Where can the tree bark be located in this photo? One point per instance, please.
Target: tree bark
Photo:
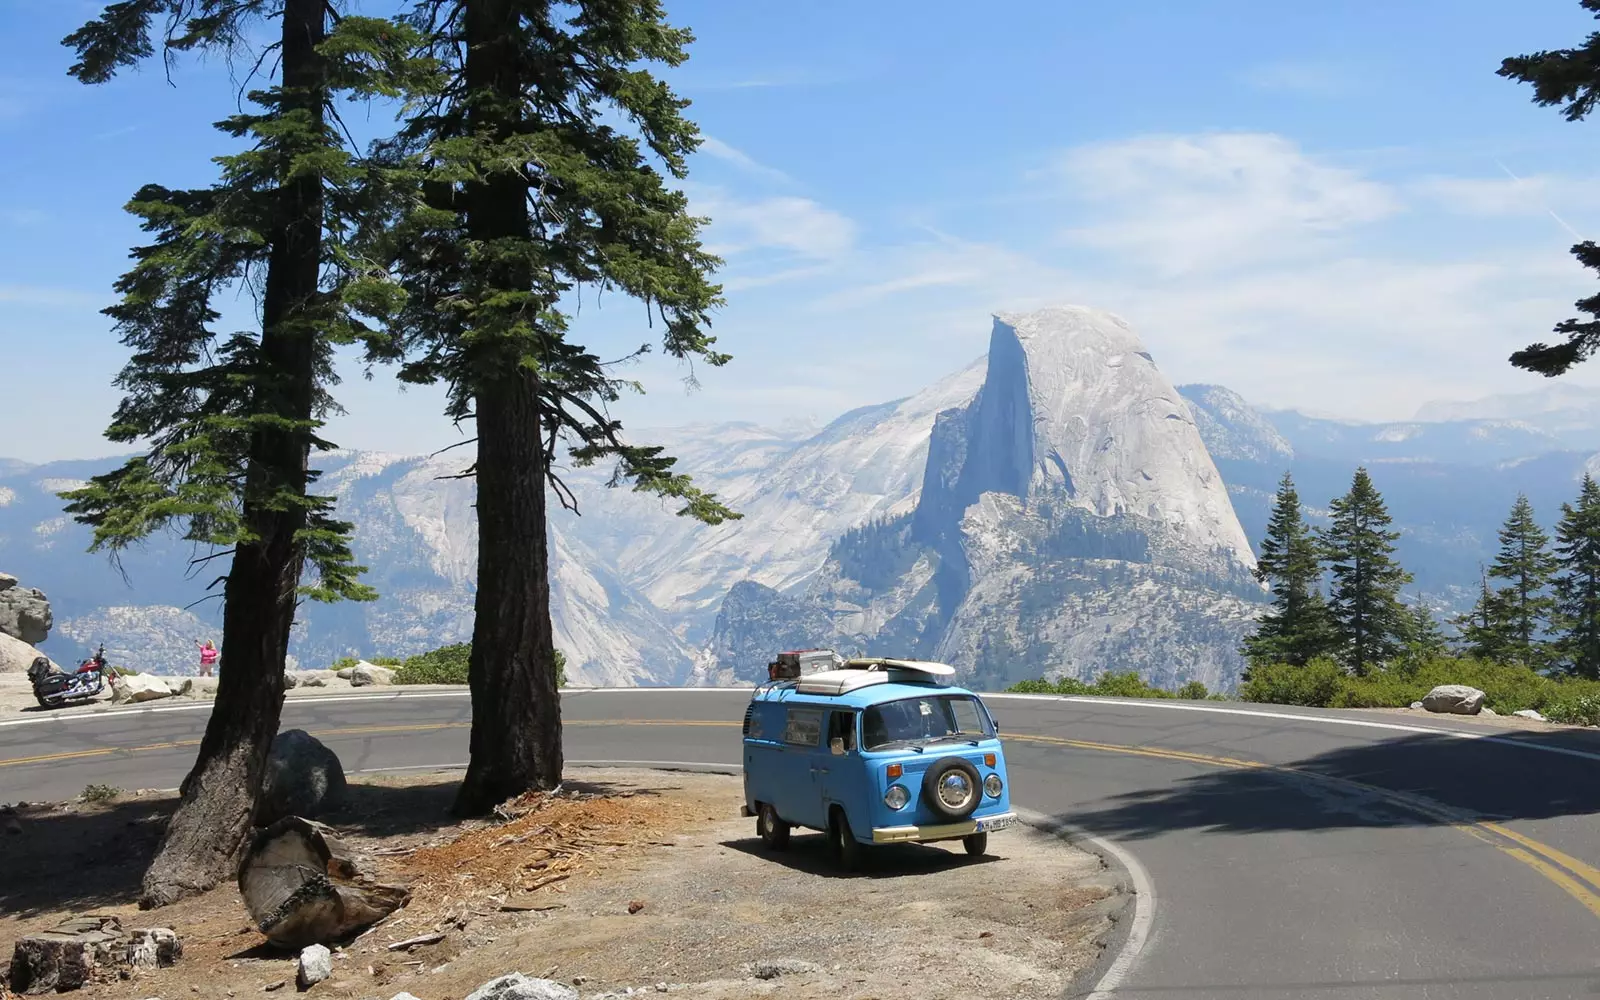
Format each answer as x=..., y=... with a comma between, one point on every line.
x=516, y=712
x=206, y=836
x=303, y=886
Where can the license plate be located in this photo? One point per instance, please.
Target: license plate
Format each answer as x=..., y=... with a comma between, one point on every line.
x=996, y=823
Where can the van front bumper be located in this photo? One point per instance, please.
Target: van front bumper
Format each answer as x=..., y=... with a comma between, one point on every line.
x=941, y=831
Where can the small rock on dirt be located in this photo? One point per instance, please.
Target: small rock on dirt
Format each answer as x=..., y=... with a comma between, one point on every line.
x=1489, y=712
x=635, y=906
x=1416, y=705
x=1528, y=713
x=316, y=964
x=1454, y=699
x=280, y=984
x=519, y=987
x=303, y=778
x=773, y=968
x=154, y=947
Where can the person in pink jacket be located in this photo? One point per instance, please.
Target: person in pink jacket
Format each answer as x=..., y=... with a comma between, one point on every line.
x=208, y=657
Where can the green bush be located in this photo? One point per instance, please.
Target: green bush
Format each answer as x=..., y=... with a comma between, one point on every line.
x=100, y=793
x=1577, y=709
x=1316, y=684
x=448, y=665
x=1124, y=685
x=346, y=662
x=1193, y=691
x=1036, y=686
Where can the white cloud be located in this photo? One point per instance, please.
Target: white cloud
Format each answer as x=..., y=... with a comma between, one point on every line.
x=1181, y=204
x=720, y=150
x=1541, y=194
x=797, y=226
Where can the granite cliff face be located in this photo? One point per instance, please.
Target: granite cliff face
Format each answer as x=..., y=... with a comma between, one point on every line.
x=1070, y=521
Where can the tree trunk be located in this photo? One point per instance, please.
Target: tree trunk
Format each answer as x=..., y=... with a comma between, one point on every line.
x=516, y=714
x=302, y=886
x=205, y=838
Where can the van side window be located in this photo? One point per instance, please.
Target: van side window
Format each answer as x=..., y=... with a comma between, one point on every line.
x=842, y=725
x=804, y=728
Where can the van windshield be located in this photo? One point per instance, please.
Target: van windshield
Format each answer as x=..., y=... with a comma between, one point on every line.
x=925, y=719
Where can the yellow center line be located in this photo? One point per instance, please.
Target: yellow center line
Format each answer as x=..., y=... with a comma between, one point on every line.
x=1541, y=857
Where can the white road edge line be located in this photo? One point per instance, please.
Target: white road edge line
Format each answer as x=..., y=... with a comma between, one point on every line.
x=1294, y=717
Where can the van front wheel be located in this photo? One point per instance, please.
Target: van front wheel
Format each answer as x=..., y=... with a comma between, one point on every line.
x=773, y=831
x=847, y=851
x=976, y=843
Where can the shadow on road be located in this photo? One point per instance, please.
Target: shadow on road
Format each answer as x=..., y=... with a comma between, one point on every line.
x=1514, y=777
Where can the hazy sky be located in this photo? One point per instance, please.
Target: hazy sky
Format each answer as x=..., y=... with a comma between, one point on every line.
x=1312, y=204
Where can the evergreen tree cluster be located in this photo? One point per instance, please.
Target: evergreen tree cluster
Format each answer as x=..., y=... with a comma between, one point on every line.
x=1336, y=590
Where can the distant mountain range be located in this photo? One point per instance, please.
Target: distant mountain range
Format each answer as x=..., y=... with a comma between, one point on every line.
x=1078, y=514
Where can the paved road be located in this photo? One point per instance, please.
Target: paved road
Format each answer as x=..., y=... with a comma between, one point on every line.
x=1292, y=853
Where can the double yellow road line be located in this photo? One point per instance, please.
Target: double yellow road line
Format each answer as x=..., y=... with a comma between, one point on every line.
x=1577, y=878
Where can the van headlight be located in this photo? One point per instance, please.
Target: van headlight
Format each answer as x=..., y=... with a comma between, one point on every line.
x=897, y=797
x=992, y=786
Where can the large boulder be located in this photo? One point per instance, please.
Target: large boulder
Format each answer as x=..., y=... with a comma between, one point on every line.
x=366, y=674
x=303, y=778
x=1454, y=699
x=519, y=987
x=308, y=678
x=198, y=687
x=24, y=611
x=139, y=687
x=16, y=656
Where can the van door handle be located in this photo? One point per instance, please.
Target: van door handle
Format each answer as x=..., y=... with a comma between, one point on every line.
x=819, y=770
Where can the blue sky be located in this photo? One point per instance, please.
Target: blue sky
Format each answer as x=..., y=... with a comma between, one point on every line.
x=1313, y=204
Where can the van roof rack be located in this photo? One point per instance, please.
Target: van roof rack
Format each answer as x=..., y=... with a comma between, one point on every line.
x=865, y=671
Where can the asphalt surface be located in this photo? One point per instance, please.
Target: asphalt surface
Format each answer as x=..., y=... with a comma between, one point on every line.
x=1292, y=853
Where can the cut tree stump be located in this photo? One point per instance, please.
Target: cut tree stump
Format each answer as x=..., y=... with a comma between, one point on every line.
x=66, y=957
x=302, y=886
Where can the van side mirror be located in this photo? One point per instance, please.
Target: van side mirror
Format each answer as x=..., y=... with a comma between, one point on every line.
x=837, y=746
x=996, y=724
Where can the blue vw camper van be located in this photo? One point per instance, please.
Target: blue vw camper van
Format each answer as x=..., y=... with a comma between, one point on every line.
x=873, y=751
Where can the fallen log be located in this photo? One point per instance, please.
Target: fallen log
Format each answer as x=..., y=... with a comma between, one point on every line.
x=303, y=886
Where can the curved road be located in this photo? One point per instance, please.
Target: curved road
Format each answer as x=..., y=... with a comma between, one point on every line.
x=1292, y=852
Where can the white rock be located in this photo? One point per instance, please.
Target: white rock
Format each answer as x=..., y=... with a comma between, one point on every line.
x=1416, y=705
x=343, y=673
x=291, y=680
x=198, y=687
x=316, y=964
x=365, y=674
x=516, y=986
x=773, y=968
x=1488, y=711
x=402, y=996
x=1454, y=699
x=1528, y=713
x=16, y=656
x=139, y=687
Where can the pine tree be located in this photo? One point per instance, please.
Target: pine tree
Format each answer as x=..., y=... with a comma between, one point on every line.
x=535, y=197
x=229, y=419
x=1424, y=639
x=1569, y=77
x=1525, y=561
x=1578, y=582
x=1298, y=628
x=1483, y=633
x=1365, y=604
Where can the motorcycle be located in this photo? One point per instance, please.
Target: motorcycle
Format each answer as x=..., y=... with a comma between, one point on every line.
x=54, y=688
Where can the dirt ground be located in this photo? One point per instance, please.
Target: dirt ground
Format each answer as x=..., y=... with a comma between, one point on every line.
x=628, y=879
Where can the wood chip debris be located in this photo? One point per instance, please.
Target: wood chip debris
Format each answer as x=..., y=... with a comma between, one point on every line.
x=422, y=939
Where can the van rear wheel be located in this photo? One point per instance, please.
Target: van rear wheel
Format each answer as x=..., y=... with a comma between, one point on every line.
x=976, y=843
x=773, y=831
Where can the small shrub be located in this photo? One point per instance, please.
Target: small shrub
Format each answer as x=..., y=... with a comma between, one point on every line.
x=448, y=665
x=1193, y=691
x=1315, y=685
x=1036, y=686
x=1573, y=709
x=1126, y=685
x=100, y=793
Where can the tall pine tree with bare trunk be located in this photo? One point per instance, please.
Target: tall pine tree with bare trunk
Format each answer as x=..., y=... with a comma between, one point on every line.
x=229, y=420
x=543, y=186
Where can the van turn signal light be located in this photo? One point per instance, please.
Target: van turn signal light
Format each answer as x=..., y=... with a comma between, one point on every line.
x=988, y=760
x=895, y=771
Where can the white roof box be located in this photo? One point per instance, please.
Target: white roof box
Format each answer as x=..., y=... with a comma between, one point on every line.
x=836, y=682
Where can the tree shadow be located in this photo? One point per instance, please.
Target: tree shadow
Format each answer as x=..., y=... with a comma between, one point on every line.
x=75, y=857
x=1392, y=783
x=809, y=853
